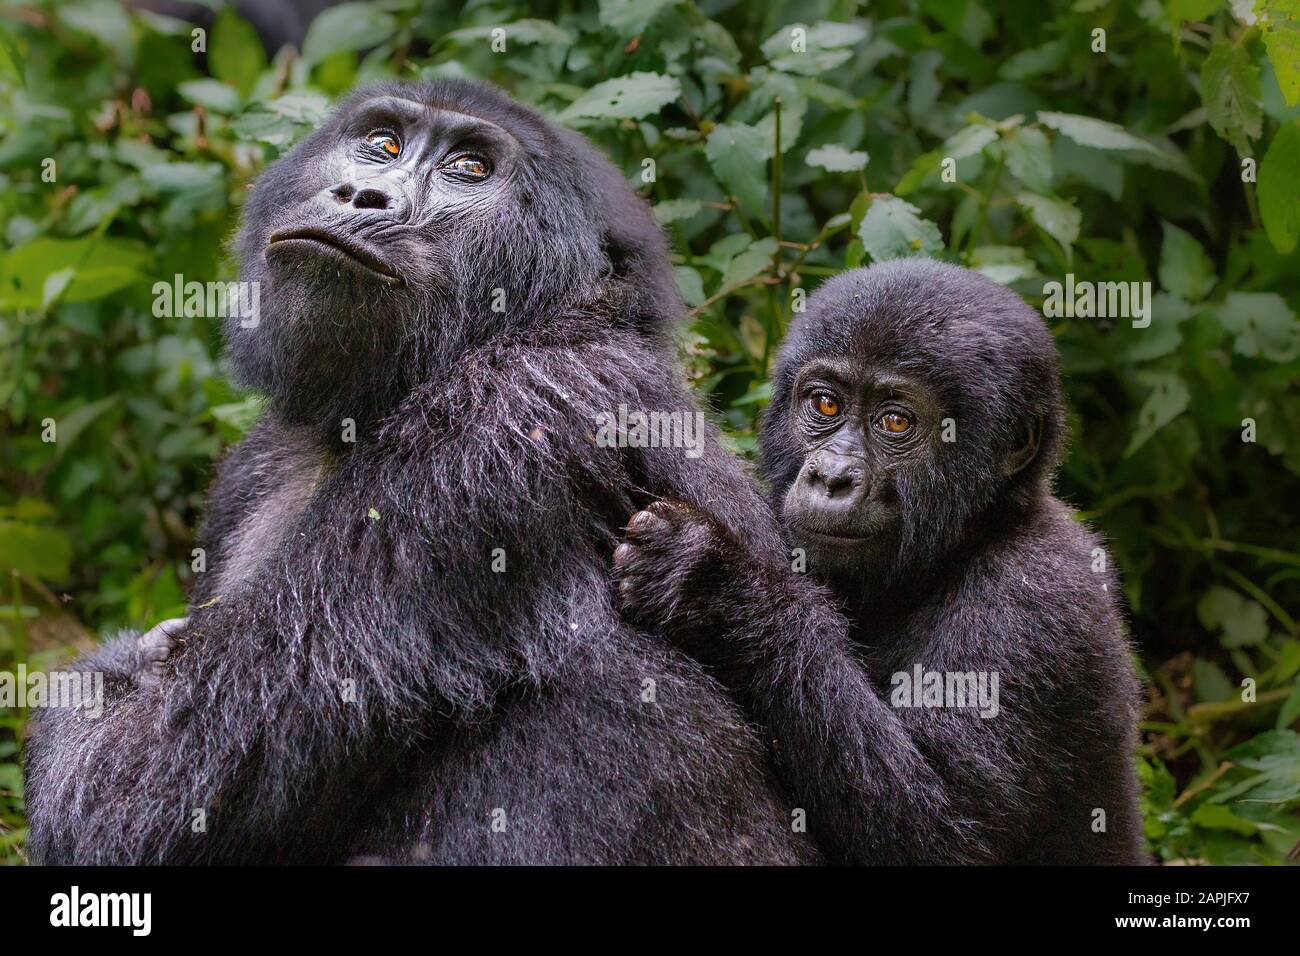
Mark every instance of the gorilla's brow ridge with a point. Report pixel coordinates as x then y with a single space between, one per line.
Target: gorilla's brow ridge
427 107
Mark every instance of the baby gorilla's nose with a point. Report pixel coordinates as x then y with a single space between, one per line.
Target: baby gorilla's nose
837 477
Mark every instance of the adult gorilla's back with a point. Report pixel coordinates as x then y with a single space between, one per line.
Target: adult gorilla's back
404 645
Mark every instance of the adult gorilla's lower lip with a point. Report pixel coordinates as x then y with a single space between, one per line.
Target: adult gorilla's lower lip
829 536
341 244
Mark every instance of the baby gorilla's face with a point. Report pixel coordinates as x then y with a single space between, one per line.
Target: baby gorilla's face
861 431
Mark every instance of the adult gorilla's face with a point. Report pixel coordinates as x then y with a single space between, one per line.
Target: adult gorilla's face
420 221
401 179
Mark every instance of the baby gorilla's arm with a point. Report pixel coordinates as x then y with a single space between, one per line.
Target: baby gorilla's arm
136 657
880 784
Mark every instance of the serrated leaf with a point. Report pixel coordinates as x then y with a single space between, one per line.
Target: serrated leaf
749 263
627 97
837 159
1278 189
1185 269
210 94
799 48
1264 325
523 32
1168 399
690 285
629 18
1056 217
1003 264
1029 157
738 156
893 229
1096 133
671 210
1243 622
235 55
1280 21
1230 92
349 26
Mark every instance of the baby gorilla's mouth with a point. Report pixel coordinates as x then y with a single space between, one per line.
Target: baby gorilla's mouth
338 245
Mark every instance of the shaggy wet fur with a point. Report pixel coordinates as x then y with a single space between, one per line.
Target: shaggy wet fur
361 677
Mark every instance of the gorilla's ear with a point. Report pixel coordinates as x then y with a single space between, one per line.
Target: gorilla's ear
1031 437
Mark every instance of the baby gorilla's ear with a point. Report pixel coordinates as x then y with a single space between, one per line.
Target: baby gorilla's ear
1031 435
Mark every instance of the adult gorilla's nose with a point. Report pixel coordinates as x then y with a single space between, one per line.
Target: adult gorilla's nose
372 198
370 195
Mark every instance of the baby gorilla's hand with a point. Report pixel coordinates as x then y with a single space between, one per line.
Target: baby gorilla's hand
153 647
670 567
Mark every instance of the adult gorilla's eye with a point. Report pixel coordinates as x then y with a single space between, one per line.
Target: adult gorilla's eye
826 404
895 423
386 142
468 166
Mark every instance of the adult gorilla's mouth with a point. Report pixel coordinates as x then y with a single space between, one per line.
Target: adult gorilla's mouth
340 245
835 536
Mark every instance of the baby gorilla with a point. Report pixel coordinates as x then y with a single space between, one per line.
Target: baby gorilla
955 686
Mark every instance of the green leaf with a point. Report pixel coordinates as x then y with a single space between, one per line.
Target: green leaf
1215 816
894 228
1029 157
1096 133
837 159
627 97
1243 622
1169 398
1264 325
1280 21
1185 269
349 26
235 55
102 267
1278 189
749 263
1056 217
523 32
968 141
671 210
1290 711
1003 264
210 94
37 551
690 285
1230 92
738 155
799 48
1210 683
629 18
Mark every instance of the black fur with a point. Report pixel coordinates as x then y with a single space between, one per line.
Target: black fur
355 680
983 572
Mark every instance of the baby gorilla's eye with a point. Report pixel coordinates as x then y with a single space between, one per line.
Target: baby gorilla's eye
894 423
383 140
826 404
468 165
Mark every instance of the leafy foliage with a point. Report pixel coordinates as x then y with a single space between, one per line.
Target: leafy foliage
781 143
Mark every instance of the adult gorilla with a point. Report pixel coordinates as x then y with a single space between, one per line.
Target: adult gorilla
405 645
